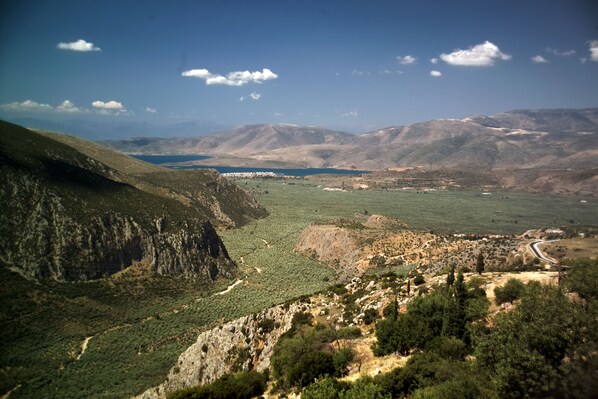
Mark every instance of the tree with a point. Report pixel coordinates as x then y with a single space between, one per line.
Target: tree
451 276
479 266
512 290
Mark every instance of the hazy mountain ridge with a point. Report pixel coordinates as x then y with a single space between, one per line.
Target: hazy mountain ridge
69 216
522 138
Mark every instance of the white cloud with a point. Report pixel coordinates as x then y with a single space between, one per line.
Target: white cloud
27 105
566 53
593 50
406 60
68 107
150 110
434 60
253 96
277 114
436 74
238 78
484 54
538 59
352 114
110 107
79 45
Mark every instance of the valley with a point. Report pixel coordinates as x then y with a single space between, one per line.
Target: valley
294 240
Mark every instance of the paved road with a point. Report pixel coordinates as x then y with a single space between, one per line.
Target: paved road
533 246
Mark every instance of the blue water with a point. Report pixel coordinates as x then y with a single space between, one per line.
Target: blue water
161 159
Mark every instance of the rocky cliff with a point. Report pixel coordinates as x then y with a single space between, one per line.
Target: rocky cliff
243 344
67 216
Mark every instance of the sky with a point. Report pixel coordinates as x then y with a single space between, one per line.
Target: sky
350 65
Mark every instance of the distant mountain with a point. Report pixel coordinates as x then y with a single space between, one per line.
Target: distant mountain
74 210
244 141
543 140
96 130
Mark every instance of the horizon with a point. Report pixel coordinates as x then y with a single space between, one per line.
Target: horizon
338 65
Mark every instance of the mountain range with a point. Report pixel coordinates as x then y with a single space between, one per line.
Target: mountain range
521 148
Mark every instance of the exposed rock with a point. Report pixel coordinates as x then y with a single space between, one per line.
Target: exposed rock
239 345
333 246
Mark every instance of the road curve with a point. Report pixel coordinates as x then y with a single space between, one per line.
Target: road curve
534 247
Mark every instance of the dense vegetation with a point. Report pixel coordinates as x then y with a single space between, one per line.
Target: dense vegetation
544 347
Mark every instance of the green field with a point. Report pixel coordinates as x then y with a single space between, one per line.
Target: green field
140 326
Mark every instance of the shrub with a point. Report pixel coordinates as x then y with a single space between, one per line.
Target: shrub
244 385
349 333
267 325
370 316
511 291
419 279
341 360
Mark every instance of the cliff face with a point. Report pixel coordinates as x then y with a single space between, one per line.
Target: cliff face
40 238
67 216
240 345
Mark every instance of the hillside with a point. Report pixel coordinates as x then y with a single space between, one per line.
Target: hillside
73 210
546 150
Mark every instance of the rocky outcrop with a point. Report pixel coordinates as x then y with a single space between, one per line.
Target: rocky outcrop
243 344
42 235
332 245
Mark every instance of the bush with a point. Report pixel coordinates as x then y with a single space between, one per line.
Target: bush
267 325
370 316
244 385
583 278
511 291
419 279
341 360
349 333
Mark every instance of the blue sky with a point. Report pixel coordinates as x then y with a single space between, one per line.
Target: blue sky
355 65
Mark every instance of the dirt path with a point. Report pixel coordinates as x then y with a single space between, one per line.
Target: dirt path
230 287
7 394
84 346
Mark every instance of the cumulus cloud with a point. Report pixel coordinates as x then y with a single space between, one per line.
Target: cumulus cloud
27 105
352 114
67 107
538 59
237 78
79 45
593 44
484 54
554 51
150 110
434 60
110 105
406 60
436 74
277 114
109 108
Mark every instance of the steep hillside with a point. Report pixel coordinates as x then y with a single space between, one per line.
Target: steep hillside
69 216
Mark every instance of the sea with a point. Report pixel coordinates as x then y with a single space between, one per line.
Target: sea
169 160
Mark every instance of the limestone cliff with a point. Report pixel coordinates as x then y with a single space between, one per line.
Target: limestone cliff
67 216
243 344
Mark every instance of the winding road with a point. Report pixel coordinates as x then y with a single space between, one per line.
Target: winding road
534 247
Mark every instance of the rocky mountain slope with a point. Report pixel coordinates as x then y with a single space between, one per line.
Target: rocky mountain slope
546 150
69 214
522 138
